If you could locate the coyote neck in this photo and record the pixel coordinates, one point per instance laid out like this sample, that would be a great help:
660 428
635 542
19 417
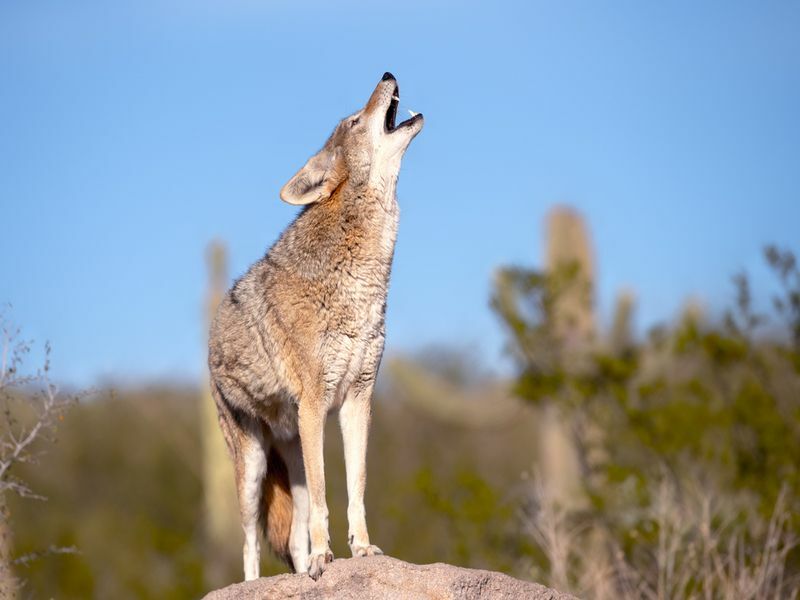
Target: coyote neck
369 217
350 234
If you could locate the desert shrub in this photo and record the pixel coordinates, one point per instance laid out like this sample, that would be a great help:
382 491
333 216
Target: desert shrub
31 406
706 406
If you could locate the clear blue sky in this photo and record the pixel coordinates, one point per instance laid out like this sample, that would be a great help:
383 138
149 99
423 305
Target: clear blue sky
133 133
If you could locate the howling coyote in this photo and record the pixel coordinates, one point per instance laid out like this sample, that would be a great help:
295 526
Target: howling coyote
302 333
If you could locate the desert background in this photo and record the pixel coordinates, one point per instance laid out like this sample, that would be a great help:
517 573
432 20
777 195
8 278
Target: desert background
592 370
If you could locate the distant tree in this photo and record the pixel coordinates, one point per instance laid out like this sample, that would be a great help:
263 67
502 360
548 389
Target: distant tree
701 405
31 406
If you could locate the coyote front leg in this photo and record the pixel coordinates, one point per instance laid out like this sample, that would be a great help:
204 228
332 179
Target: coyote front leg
354 418
311 423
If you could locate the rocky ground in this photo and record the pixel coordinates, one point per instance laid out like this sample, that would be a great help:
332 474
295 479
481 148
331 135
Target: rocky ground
388 578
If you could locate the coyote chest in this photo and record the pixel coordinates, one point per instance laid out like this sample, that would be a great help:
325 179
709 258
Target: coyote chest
352 305
357 284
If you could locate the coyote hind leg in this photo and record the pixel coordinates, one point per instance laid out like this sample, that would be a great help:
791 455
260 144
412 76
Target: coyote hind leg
251 469
248 447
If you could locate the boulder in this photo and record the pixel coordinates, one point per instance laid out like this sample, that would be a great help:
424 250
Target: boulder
388 578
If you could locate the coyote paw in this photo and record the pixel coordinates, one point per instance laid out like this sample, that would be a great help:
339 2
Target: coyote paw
317 562
370 550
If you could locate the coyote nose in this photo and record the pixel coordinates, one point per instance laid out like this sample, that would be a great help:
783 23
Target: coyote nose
387 76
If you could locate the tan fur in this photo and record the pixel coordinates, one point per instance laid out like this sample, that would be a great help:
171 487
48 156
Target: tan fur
302 333
277 507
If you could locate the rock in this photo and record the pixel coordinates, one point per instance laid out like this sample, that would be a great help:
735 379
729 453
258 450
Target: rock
388 578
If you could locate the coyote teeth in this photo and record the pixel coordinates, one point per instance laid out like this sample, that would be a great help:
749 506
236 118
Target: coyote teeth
412 113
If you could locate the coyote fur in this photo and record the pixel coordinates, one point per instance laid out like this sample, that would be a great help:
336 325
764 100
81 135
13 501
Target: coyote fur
301 334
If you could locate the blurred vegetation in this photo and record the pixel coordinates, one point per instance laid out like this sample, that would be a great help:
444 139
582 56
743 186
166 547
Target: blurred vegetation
705 407
124 482
688 442
30 408
124 488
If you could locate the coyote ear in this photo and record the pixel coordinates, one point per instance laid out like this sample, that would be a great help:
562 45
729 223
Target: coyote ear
316 180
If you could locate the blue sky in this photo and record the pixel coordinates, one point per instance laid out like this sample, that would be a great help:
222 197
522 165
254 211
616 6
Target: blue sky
133 133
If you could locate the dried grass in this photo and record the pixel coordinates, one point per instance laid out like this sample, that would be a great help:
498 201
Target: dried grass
706 547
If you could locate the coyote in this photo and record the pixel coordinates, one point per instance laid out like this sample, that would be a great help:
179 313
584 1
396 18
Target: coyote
302 333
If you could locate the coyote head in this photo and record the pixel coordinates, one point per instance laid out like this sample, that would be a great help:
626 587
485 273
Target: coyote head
365 149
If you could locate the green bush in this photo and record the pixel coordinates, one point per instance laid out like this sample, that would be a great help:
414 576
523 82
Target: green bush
708 406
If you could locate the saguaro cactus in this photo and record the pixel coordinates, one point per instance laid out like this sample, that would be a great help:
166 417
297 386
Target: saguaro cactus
219 494
568 258
621 335
569 253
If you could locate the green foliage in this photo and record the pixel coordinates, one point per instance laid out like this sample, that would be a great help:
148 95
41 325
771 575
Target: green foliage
716 404
123 488
478 524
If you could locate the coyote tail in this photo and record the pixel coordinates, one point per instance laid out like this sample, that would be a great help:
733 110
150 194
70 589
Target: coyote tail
276 507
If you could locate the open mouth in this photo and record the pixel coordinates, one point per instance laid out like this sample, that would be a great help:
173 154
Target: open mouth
391 113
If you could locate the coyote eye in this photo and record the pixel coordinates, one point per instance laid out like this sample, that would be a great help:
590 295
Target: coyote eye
354 122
